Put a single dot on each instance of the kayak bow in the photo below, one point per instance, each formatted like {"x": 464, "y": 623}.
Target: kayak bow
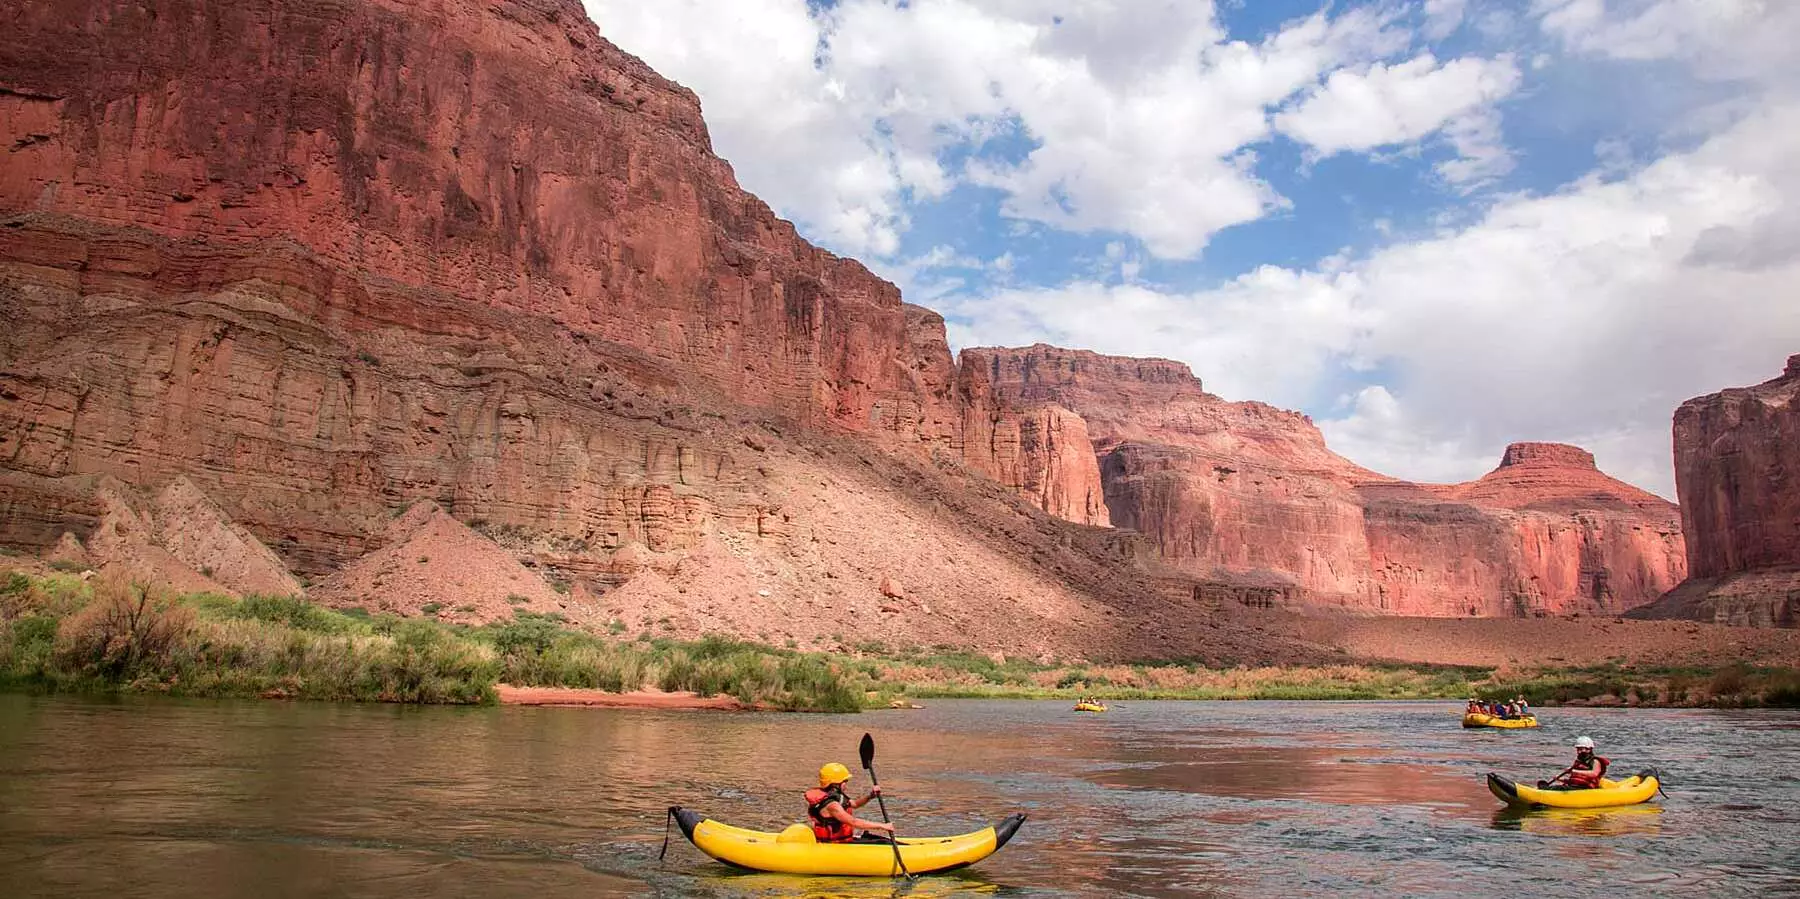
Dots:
{"x": 795, "y": 851}
{"x": 1632, "y": 790}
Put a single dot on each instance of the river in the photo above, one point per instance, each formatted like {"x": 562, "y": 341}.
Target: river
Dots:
{"x": 147, "y": 797}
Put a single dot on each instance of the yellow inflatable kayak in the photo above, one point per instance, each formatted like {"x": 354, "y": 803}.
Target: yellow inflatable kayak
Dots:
{"x": 1477, "y": 719}
{"x": 1089, "y": 707}
{"x": 794, "y": 851}
{"x": 1632, "y": 790}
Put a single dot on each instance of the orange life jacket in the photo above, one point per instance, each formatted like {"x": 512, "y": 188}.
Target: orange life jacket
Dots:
{"x": 827, "y": 829}
{"x": 1590, "y": 779}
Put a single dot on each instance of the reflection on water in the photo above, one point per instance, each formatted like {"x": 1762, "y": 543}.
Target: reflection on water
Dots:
{"x": 199, "y": 800}
{"x": 1596, "y": 822}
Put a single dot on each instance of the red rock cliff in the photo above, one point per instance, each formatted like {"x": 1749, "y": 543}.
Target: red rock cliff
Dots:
{"x": 495, "y": 150}
{"x": 1245, "y": 493}
{"x": 1737, "y": 471}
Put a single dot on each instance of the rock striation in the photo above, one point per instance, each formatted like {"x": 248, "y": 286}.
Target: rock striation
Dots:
{"x": 1737, "y": 471}
{"x": 501, "y": 152}
{"x": 1249, "y": 497}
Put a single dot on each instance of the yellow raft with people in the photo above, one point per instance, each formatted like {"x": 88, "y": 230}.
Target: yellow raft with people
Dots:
{"x": 1640, "y": 787}
{"x": 1090, "y": 707}
{"x": 1479, "y": 719}
{"x": 796, "y": 851}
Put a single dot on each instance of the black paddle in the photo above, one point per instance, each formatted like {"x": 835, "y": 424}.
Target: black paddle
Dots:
{"x": 867, "y": 749}
{"x": 1545, "y": 784}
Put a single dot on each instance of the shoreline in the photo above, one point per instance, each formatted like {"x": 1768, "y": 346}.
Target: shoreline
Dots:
{"x": 583, "y": 698}
{"x": 64, "y": 633}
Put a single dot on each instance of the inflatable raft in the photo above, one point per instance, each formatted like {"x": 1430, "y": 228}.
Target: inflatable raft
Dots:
{"x": 1632, "y": 790}
{"x": 1477, "y": 719}
{"x": 794, "y": 851}
{"x": 1089, "y": 707}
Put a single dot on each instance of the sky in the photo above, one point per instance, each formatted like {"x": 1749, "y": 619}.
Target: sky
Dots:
{"x": 1435, "y": 226}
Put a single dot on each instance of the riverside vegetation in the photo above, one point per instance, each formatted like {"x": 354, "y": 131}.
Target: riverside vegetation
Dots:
{"x": 61, "y": 632}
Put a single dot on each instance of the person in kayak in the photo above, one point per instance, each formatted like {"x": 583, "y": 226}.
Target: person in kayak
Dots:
{"x": 1587, "y": 772}
{"x": 828, "y": 809}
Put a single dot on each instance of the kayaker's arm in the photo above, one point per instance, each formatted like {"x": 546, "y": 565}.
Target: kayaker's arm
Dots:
{"x": 837, "y": 812}
{"x": 873, "y": 792}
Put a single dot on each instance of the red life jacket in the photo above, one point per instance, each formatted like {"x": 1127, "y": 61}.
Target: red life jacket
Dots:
{"x": 1589, "y": 780}
{"x": 827, "y": 829}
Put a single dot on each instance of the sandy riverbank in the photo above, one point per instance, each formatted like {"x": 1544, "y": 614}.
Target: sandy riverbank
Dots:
{"x": 601, "y": 699}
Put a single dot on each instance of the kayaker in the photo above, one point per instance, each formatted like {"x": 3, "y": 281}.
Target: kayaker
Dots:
{"x": 828, "y": 809}
{"x": 1587, "y": 771}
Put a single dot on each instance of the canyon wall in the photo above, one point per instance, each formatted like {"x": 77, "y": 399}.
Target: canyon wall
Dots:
{"x": 1248, "y": 494}
{"x": 502, "y": 152}
{"x": 1737, "y": 471}
{"x": 328, "y": 259}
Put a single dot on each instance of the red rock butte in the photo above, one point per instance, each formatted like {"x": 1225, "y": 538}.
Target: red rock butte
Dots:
{"x": 326, "y": 260}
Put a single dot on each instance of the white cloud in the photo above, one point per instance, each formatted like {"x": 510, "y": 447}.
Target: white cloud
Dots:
{"x": 1443, "y": 17}
{"x": 1377, "y": 431}
{"x": 1752, "y": 40}
{"x": 1585, "y": 316}
{"x": 1383, "y": 105}
{"x": 1128, "y": 116}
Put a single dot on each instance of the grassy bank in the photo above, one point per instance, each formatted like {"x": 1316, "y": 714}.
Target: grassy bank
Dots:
{"x": 64, "y": 633}
{"x": 61, "y": 633}
{"x": 919, "y": 674}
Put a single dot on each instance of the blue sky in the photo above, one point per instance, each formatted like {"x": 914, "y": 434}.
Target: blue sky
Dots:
{"x": 1436, "y": 226}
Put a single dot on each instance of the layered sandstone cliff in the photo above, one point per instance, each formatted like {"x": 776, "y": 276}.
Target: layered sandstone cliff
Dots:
{"x": 502, "y": 152}
{"x": 1248, "y": 495}
{"x": 1737, "y": 470}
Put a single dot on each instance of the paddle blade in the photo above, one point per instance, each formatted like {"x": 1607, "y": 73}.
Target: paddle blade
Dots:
{"x": 867, "y": 750}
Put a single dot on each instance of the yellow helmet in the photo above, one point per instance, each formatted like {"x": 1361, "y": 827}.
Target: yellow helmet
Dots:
{"x": 833, "y": 773}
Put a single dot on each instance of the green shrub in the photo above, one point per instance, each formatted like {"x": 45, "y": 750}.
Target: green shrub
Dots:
{"x": 526, "y": 635}
{"x": 294, "y": 612}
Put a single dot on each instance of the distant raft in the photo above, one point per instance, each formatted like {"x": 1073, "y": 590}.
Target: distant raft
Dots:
{"x": 1632, "y": 790}
{"x": 1090, "y": 707}
{"x": 795, "y": 851}
{"x": 1477, "y": 719}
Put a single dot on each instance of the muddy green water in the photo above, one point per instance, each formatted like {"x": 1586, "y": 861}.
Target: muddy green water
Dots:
{"x": 159, "y": 798}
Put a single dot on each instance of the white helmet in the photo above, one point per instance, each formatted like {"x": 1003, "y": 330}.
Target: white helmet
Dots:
{"x": 1584, "y": 742}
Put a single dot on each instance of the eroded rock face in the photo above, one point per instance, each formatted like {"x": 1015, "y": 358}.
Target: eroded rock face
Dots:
{"x": 1544, "y": 533}
{"x": 1737, "y": 471}
{"x": 1243, "y": 494}
{"x": 497, "y": 150}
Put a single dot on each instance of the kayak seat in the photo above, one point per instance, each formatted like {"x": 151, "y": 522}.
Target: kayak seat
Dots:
{"x": 796, "y": 833}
